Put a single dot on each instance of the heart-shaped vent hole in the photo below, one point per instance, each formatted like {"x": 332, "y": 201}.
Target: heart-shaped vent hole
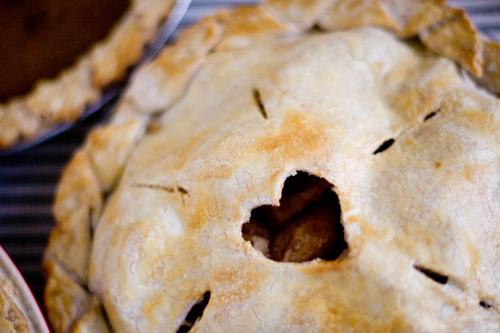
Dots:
{"x": 305, "y": 226}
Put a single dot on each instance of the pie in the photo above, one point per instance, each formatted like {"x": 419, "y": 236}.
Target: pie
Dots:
{"x": 295, "y": 166}
{"x": 57, "y": 56}
{"x": 12, "y": 317}
{"x": 18, "y": 310}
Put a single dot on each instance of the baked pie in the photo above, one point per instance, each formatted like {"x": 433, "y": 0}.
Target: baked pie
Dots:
{"x": 12, "y": 318}
{"x": 18, "y": 310}
{"x": 297, "y": 166}
{"x": 57, "y": 56}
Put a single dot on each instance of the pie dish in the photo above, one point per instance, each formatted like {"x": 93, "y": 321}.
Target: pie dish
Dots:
{"x": 18, "y": 310}
{"x": 58, "y": 56}
{"x": 292, "y": 166}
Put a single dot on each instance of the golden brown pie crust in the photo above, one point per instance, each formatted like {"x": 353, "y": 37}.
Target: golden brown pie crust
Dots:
{"x": 90, "y": 178}
{"x": 12, "y": 318}
{"x": 63, "y": 98}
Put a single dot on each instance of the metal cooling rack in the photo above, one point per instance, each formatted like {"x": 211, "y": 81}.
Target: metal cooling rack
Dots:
{"x": 28, "y": 179}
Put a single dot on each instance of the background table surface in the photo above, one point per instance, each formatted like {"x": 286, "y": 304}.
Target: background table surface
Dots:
{"x": 28, "y": 179}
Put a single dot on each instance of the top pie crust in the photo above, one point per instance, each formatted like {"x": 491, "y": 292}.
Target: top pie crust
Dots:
{"x": 127, "y": 240}
{"x": 64, "y": 98}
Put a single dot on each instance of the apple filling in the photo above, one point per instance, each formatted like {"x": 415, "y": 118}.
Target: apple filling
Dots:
{"x": 305, "y": 226}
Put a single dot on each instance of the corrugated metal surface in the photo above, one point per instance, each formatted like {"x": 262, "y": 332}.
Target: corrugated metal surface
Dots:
{"x": 28, "y": 179}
